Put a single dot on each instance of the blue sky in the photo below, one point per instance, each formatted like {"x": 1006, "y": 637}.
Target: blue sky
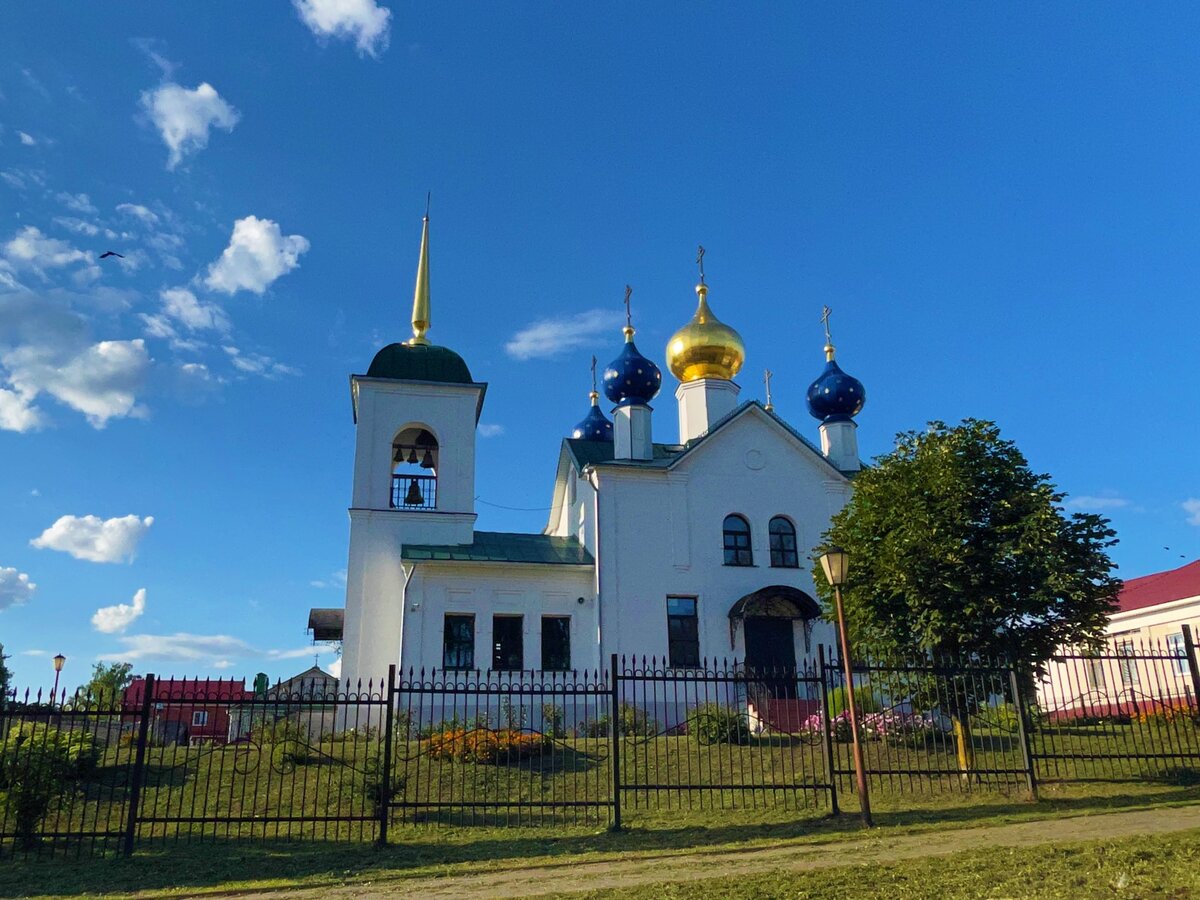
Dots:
{"x": 999, "y": 203}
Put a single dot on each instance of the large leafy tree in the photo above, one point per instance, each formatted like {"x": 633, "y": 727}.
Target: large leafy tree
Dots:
{"x": 108, "y": 682}
{"x": 957, "y": 548}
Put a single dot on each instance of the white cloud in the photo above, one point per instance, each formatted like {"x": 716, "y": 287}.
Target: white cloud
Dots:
{"x": 184, "y": 117}
{"x": 137, "y": 211}
{"x": 336, "y": 580}
{"x": 553, "y": 337}
{"x": 257, "y": 254}
{"x": 182, "y": 306}
{"x": 79, "y": 226}
{"x": 15, "y": 587}
{"x": 1095, "y": 504}
{"x": 486, "y": 430}
{"x": 257, "y": 364}
{"x": 27, "y": 139}
{"x": 80, "y": 203}
{"x": 31, "y": 249}
{"x": 335, "y": 668}
{"x": 101, "y": 381}
{"x": 210, "y": 649}
{"x": 94, "y": 539}
{"x": 113, "y": 619}
{"x": 1191, "y": 506}
{"x": 35, "y": 652}
{"x": 18, "y": 414}
{"x": 363, "y": 21}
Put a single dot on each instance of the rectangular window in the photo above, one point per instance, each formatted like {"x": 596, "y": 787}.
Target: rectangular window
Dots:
{"x": 458, "y": 642}
{"x": 1178, "y": 649}
{"x": 1129, "y": 672}
{"x": 683, "y": 632}
{"x": 508, "y": 647}
{"x": 199, "y": 718}
{"x": 556, "y": 643}
{"x": 783, "y": 549}
{"x": 1095, "y": 673}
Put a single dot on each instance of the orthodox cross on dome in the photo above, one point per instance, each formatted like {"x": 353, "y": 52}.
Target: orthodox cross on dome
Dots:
{"x": 628, "y": 317}
{"x": 825, "y": 313}
{"x": 593, "y": 373}
{"x": 767, "y": 373}
{"x": 700, "y": 251}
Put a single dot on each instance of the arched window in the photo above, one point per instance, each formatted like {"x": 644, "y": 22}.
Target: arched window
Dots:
{"x": 737, "y": 541}
{"x": 783, "y": 544}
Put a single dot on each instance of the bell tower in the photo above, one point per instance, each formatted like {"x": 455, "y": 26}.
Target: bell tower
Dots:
{"x": 415, "y": 413}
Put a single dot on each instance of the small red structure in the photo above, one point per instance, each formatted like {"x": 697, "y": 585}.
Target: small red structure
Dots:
{"x": 189, "y": 710}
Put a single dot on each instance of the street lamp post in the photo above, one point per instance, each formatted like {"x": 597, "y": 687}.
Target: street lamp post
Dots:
{"x": 836, "y": 562}
{"x": 59, "y": 662}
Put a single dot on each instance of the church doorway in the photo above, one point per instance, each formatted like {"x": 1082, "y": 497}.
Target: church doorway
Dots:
{"x": 769, "y": 638}
{"x": 771, "y": 654}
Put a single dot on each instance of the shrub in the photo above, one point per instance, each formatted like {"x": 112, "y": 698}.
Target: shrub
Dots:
{"x": 1003, "y": 716}
{"x": 836, "y": 701}
{"x": 595, "y": 728}
{"x": 1164, "y": 715}
{"x": 482, "y": 745}
{"x": 716, "y": 724}
{"x": 552, "y": 719}
{"x": 37, "y": 764}
{"x": 289, "y": 743}
{"x": 634, "y": 722}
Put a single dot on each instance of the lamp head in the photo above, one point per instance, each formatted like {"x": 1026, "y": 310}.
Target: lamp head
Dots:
{"x": 59, "y": 662}
{"x": 836, "y": 564}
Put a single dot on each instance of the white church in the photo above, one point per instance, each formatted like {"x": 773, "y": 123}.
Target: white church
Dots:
{"x": 682, "y": 551}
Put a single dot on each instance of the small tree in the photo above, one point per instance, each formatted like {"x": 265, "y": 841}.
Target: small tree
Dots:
{"x": 958, "y": 548}
{"x": 108, "y": 682}
{"x": 5, "y": 676}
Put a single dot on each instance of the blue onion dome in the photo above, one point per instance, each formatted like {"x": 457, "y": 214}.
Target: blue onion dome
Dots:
{"x": 835, "y": 396}
{"x": 631, "y": 379}
{"x": 594, "y": 426}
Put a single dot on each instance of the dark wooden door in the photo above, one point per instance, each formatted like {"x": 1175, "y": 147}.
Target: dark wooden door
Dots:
{"x": 771, "y": 654}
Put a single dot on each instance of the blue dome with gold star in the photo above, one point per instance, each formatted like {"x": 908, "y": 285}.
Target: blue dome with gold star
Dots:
{"x": 835, "y": 396}
{"x": 631, "y": 379}
{"x": 595, "y": 425}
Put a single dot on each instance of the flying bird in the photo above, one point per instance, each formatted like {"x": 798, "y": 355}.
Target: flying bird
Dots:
{"x": 107, "y": 253}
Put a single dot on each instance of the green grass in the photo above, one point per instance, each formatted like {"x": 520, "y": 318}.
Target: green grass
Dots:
{"x": 1144, "y": 866}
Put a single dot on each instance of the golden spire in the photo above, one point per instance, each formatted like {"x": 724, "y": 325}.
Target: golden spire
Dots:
{"x": 705, "y": 347}
{"x": 825, "y": 313}
{"x": 420, "y": 312}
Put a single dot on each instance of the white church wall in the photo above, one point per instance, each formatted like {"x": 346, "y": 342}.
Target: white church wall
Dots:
{"x": 485, "y": 590}
{"x": 659, "y": 539}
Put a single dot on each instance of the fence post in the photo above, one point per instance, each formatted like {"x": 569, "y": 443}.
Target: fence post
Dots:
{"x": 1023, "y": 729}
{"x": 1189, "y": 647}
{"x": 830, "y": 768}
{"x": 614, "y": 728}
{"x": 139, "y": 766}
{"x": 385, "y": 781}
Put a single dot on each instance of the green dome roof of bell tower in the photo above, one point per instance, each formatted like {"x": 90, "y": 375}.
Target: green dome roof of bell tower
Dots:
{"x": 420, "y": 362}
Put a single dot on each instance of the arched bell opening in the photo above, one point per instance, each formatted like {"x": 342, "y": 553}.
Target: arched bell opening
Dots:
{"x": 414, "y": 469}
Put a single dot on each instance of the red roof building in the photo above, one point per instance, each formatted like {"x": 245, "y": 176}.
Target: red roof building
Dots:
{"x": 189, "y": 710}
{"x": 1161, "y": 587}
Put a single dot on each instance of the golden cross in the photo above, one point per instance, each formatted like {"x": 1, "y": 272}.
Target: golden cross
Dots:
{"x": 767, "y": 373}
{"x": 825, "y": 313}
{"x": 628, "y": 292}
{"x": 700, "y": 261}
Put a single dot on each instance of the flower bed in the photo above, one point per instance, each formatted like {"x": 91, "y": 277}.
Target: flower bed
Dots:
{"x": 482, "y": 745}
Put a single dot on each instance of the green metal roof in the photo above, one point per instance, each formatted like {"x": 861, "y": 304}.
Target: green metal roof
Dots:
{"x": 506, "y": 547}
{"x": 419, "y": 362}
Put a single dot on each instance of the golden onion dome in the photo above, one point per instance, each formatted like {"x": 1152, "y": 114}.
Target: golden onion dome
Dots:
{"x": 705, "y": 347}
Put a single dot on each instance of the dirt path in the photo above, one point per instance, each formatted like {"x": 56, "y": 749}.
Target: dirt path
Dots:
{"x": 563, "y": 877}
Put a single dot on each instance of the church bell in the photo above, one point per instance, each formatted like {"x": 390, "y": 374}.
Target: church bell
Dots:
{"x": 413, "y": 497}
{"x": 427, "y": 461}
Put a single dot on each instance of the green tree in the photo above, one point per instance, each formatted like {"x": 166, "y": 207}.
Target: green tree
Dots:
{"x": 108, "y": 682}
{"x": 957, "y": 548}
{"x": 5, "y": 675}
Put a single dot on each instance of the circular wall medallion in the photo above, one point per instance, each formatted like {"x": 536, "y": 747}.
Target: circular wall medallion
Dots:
{"x": 755, "y": 460}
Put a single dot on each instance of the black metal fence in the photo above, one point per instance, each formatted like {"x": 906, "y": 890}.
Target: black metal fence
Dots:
{"x": 182, "y": 761}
